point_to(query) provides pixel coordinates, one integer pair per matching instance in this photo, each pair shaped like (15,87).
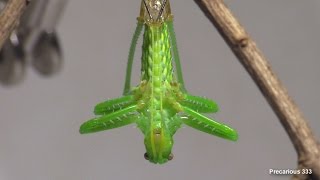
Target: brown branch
(9,18)
(260,71)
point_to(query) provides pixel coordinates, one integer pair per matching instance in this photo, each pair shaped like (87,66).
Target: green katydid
(160,104)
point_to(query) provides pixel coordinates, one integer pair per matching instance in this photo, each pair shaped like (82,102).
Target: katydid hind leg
(207,125)
(132,50)
(176,57)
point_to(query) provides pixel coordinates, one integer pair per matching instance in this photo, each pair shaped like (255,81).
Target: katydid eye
(146,156)
(170,157)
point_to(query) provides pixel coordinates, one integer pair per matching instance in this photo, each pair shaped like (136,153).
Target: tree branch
(9,18)
(260,71)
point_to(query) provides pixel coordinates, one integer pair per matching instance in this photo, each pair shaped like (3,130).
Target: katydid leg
(132,50)
(207,125)
(176,57)
(113,105)
(199,104)
(110,121)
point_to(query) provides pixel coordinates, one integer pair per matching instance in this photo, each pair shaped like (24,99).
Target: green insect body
(160,104)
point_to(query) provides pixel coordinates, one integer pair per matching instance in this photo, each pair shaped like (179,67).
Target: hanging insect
(160,104)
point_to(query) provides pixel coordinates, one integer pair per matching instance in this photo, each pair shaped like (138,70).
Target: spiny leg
(133,45)
(113,105)
(199,104)
(114,120)
(204,124)
(176,57)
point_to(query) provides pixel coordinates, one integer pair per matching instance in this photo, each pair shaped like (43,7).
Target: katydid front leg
(207,125)
(110,121)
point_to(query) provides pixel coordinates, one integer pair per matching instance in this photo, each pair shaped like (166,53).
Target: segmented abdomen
(156,56)
(157,70)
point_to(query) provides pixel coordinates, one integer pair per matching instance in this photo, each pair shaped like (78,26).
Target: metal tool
(34,42)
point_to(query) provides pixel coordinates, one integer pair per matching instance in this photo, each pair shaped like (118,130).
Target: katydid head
(155,11)
(158,146)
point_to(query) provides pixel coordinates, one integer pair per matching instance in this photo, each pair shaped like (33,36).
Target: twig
(260,71)
(9,18)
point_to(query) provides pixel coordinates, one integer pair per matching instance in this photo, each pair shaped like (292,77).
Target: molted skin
(160,103)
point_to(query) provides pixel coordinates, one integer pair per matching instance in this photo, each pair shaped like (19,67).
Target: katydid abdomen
(157,75)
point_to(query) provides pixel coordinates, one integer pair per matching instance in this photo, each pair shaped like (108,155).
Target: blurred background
(40,117)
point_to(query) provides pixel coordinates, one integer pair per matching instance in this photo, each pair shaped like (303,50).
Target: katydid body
(160,103)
